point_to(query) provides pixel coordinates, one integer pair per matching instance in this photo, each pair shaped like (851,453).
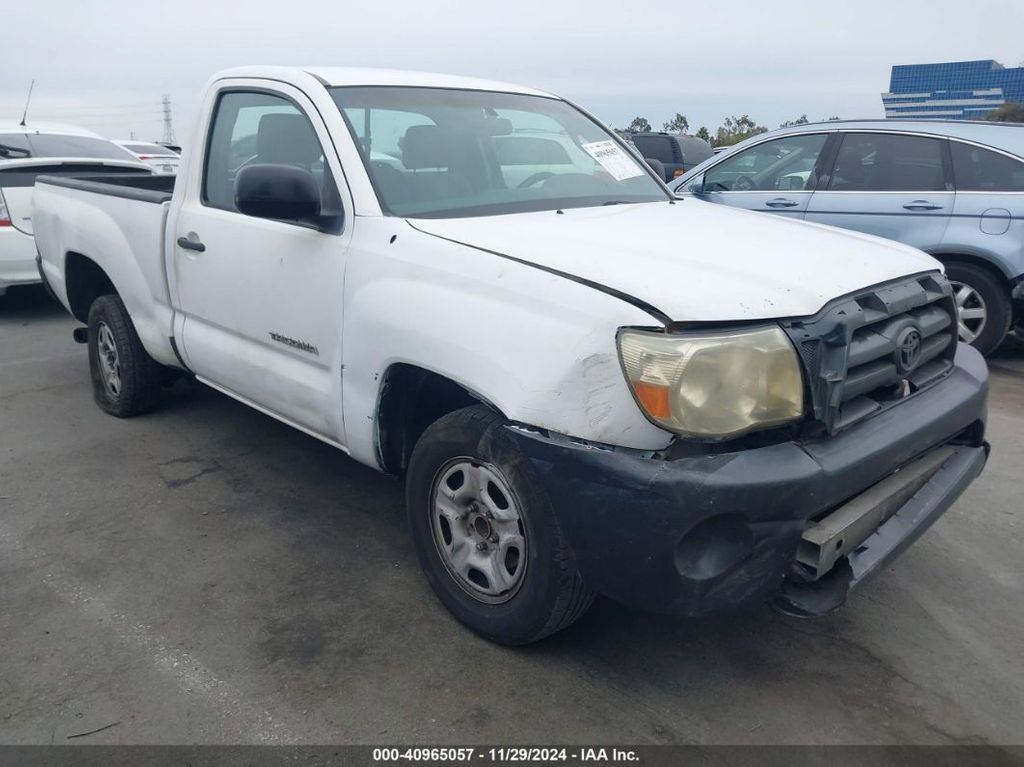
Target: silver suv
(952,189)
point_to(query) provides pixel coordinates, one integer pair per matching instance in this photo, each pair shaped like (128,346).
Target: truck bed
(113,224)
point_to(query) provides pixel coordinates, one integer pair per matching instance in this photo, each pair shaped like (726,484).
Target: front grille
(868,351)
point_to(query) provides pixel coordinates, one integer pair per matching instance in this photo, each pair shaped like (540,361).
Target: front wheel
(125,379)
(485,533)
(984,310)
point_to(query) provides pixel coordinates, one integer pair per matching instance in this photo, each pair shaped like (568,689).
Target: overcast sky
(105,65)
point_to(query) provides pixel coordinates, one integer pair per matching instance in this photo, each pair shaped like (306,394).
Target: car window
(784,164)
(250,128)
(981,170)
(14,146)
(445,152)
(530,150)
(62,145)
(887,162)
(655,148)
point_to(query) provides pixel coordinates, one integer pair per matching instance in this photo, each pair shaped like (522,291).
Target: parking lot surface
(205,574)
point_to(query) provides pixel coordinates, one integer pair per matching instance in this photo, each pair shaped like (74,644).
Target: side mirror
(695,185)
(279,192)
(658,167)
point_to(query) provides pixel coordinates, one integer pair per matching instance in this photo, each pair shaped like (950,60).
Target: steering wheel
(743,184)
(535,179)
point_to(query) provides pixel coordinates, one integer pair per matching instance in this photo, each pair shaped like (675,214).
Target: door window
(888,162)
(980,170)
(261,128)
(785,164)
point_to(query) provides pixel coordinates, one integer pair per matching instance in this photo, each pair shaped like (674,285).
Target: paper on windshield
(611,157)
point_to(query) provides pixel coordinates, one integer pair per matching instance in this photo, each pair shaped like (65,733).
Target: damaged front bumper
(701,534)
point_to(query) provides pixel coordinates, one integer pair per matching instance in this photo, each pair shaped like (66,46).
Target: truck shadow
(28,303)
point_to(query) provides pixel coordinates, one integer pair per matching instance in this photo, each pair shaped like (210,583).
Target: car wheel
(486,536)
(125,379)
(984,311)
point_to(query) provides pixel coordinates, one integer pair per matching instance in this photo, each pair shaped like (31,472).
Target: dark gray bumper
(701,534)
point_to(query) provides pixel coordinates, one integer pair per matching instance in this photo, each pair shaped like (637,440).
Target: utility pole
(168,123)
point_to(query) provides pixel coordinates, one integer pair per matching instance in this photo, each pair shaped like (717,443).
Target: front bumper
(700,534)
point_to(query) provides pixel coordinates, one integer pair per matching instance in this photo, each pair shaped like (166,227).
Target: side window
(250,128)
(980,170)
(381,132)
(885,162)
(785,164)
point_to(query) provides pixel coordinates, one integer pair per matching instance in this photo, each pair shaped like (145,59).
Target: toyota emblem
(908,349)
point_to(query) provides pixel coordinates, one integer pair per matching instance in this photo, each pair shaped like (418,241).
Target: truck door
(775,176)
(260,300)
(890,185)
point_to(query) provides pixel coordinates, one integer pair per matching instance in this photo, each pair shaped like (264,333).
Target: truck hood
(692,260)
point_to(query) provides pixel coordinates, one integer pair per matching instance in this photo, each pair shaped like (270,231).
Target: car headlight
(714,385)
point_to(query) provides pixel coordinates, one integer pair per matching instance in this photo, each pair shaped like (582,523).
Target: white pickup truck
(590,386)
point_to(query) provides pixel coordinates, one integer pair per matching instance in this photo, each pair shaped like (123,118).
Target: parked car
(25,152)
(160,158)
(677,152)
(953,189)
(576,408)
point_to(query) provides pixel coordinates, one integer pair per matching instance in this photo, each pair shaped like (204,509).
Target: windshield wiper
(6,149)
(619,202)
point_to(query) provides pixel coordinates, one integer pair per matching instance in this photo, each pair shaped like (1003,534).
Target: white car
(25,153)
(160,158)
(590,387)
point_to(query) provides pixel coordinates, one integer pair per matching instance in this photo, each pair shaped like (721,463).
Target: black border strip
(108,188)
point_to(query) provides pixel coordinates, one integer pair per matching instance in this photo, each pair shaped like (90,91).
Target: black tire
(551,594)
(997,303)
(139,374)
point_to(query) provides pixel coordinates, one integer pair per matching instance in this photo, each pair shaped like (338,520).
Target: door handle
(781,202)
(921,205)
(187,244)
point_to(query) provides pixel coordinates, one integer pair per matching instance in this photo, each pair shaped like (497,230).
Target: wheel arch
(85,281)
(410,399)
(983,262)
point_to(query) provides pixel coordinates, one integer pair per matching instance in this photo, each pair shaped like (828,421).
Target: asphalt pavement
(205,574)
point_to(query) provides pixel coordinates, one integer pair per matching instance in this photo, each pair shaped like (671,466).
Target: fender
(541,348)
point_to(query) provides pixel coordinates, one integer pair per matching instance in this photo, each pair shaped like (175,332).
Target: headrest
(286,139)
(427,146)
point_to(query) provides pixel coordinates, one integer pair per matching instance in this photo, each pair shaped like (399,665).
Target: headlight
(714,385)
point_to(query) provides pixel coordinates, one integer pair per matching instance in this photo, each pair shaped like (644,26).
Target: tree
(736,129)
(832,119)
(1007,113)
(678,124)
(801,120)
(639,125)
(703,133)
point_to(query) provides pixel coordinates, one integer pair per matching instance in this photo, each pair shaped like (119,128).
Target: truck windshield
(446,153)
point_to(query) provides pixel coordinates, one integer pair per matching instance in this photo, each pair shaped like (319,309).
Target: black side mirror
(658,167)
(279,192)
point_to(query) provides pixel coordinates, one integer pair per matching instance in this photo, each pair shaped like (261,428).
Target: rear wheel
(125,379)
(486,536)
(984,310)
